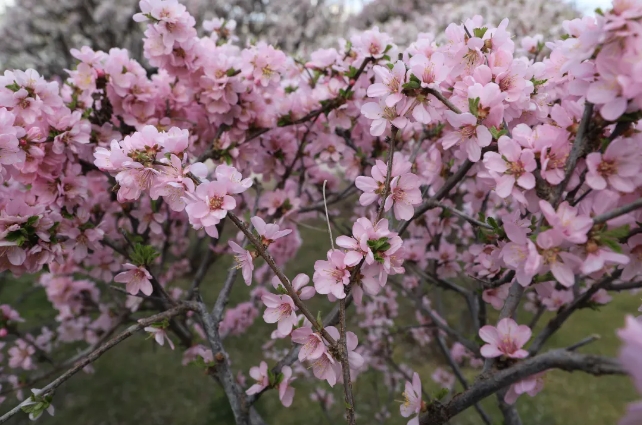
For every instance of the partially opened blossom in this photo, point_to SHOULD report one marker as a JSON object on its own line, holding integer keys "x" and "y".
{"x": 260, "y": 375}
{"x": 280, "y": 309}
{"x": 286, "y": 392}
{"x": 136, "y": 279}
{"x": 413, "y": 404}
{"x": 244, "y": 261}
{"x": 507, "y": 339}
{"x": 160, "y": 336}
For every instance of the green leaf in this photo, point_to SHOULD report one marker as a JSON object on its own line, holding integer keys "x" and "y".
{"x": 291, "y": 89}
{"x": 613, "y": 244}
{"x": 13, "y": 87}
{"x": 473, "y": 106}
{"x": 284, "y": 120}
{"x": 143, "y": 255}
{"x": 390, "y": 66}
{"x": 617, "y": 233}
{"x": 352, "y": 72}
{"x": 232, "y": 72}
{"x": 388, "y": 47}
{"x": 492, "y": 222}
{"x": 411, "y": 85}
{"x": 440, "y": 394}
{"x": 496, "y": 133}
{"x": 479, "y": 32}
{"x": 281, "y": 289}
{"x": 414, "y": 78}
{"x": 537, "y": 82}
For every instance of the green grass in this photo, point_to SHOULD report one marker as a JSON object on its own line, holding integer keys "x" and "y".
{"x": 139, "y": 383}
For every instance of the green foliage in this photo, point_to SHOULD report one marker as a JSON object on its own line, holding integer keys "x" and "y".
{"x": 143, "y": 255}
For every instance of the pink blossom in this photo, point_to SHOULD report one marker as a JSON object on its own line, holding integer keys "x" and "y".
{"x": 496, "y": 296}
{"x": 260, "y": 375}
{"x": 566, "y": 222}
{"x": 383, "y": 116}
{"x": 136, "y": 279}
{"x": 208, "y": 205}
{"x": 617, "y": 166}
{"x": 313, "y": 345}
{"x": 20, "y": 355}
{"x": 331, "y": 276}
{"x": 160, "y": 336}
{"x": 280, "y": 309}
{"x": 507, "y": 339}
{"x": 531, "y": 386}
{"x": 404, "y": 193}
{"x": 244, "y": 261}
{"x": 512, "y": 165}
{"x": 391, "y": 83}
{"x": 268, "y": 232}
{"x": 323, "y": 368}
{"x": 299, "y": 284}
{"x": 466, "y": 132}
{"x": 430, "y": 71}
{"x": 413, "y": 403}
{"x": 286, "y": 392}
{"x": 444, "y": 378}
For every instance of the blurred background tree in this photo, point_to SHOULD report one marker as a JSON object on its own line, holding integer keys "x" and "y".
{"x": 39, "y": 33}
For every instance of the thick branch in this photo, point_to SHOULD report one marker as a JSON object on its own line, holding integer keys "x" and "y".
{"x": 557, "y": 359}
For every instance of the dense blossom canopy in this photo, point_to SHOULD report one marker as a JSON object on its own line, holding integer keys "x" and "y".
{"x": 504, "y": 171}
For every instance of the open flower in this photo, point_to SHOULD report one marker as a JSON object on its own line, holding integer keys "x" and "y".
{"x": 512, "y": 165}
{"x": 280, "y": 309}
{"x": 507, "y": 339}
{"x": 383, "y": 116}
{"x": 313, "y": 346}
{"x": 330, "y": 277}
{"x": 467, "y": 133}
{"x": 617, "y": 167}
{"x": 412, "y": 399}
{"x": 136, "y": 278}
{"x": 391, "y": 83}
{"x": 404, "y": 193}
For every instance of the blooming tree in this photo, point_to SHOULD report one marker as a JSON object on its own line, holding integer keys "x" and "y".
{"x": 502, "y": 179}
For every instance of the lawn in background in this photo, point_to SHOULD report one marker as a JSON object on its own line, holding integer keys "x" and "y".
{"x": 140, "y": 383}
